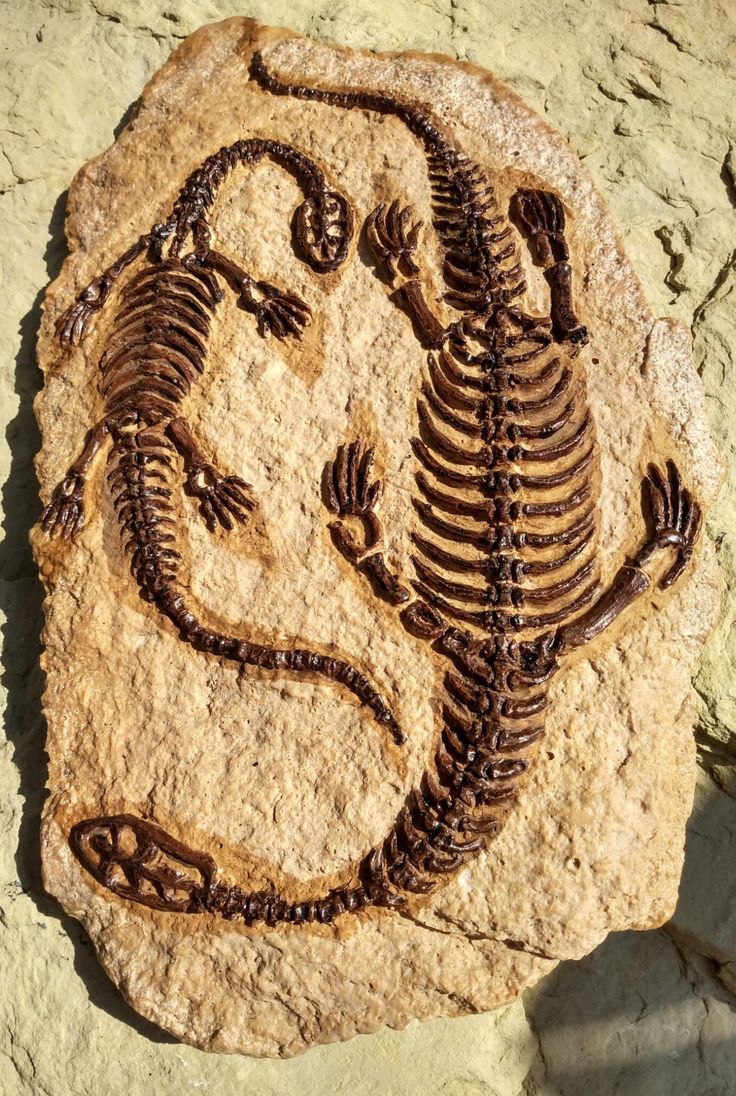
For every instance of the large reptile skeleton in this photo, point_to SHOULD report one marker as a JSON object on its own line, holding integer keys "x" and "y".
{"x": 506, "y": 581}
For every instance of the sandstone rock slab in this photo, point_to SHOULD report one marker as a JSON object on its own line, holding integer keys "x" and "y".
{"x": 136, "y": 723}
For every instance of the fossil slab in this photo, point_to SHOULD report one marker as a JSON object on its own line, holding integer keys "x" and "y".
{"x": 376, "y": 586}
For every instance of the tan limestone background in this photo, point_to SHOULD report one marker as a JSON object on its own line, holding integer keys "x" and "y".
{"x": 642, "y": 92}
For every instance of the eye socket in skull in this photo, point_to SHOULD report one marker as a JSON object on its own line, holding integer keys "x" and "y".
{"x": 323, "y": 226}
{"x": 139, "y": 861}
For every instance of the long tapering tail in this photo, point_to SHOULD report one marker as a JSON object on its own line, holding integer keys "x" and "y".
{"x": 142, "y": 482}
{"x": 456, "y": 807}
{"x": 482, "y": 264}
{"x": 298, "y": 660}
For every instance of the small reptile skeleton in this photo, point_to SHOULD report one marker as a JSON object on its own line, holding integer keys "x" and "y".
{"x": 154, "y": 354}
{"x": 506, "y": 578}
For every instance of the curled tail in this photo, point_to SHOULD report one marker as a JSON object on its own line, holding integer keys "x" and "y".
{"x": 141, "y": 862}
{"x": 141, "y": 480}
{"x": 457, "y": 806}
{"x": 482, "y": 264}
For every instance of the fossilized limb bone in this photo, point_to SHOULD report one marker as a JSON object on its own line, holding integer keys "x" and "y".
{"x": 676, "y": 520}
{"x": 278, "y": 313}
{"x": 72, "y": 325}
{"x": 350, "y": 493}
{"x": 221, "y": 497}
{"x": 154, "y": 354}
{"x": 64, "y": 515}
{"x": 505, "y": 559}
{"x": 393, "y": 236}
{"x": 543, "y": 219}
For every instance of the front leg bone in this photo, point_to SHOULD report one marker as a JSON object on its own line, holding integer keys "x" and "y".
{"x": 393, "y": 239}
{"x": 71, "y": 326}
{"x": 64, "y": 514}
{"x": 351, "y": 493}
{"x": 542, "y": 217}
{"x": 277, "y": 313}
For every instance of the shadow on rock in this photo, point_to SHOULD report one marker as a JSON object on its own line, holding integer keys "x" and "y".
{"x": 640, "y": 1016}
{"x": 21, "y": 596}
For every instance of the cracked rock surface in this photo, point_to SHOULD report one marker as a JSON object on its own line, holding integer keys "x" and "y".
{"x": 620, "y": 85}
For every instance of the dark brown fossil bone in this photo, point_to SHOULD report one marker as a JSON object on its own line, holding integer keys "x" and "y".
{"x": 523, "y": 537}
{"x": 351, "y": 493}
{"x": 151, "y": 360}
{"x": 543, "y": 218}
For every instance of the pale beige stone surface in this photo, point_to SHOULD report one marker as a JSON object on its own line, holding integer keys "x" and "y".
{"x": 662, "y": 160}
{"x": 286, "y": 781}
{"x": 666, "y": 1031}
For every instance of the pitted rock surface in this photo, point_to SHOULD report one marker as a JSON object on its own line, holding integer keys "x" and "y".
{"x": 596, "y": 97}
{"x": 275, "y": 777}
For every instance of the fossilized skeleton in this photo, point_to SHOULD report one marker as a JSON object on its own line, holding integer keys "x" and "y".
{"x": 154, "y": 354}
{"x": 506, "y": 578}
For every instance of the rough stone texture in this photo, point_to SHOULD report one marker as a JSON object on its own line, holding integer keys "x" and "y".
{"x": 644, "y": 93}
{"x": 287, "y": 781}
{"x": 705, "y": 918}
{"x": 668, "y": 1030}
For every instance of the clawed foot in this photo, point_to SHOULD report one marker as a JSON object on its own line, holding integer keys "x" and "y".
{"x": 350, "y": 491}
{"x": 543, "y": 217}
{"x": 277, "y": 313}
{"x": 676, "y": 519}
{"x": 64, "y": 515}
{"x": 221, "y": 498}
{"x": 72, "y": 324}
{"x": 393, "y": 239}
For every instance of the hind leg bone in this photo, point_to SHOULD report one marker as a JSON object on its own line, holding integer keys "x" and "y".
{"x": 222, "y": 498}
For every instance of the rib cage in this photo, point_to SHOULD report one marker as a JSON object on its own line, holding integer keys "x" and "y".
{"x": 482, "y": 561}
{"x": 511, "y": 480}
{"x": 505, "y": 502}
{"x": 154, "y": 355}
{"x": 158, "y": 344}
{"x": 505, "y": 535}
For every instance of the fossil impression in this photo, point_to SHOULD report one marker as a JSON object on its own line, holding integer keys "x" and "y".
{"x": 501, "y": 584}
